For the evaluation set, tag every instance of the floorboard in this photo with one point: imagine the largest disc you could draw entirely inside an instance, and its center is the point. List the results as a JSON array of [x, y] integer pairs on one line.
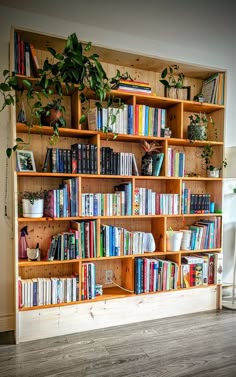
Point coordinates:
[[202, 344]]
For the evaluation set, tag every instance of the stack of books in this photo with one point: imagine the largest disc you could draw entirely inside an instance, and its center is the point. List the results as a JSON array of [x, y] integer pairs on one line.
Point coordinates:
[[213, 89], [135, 86]]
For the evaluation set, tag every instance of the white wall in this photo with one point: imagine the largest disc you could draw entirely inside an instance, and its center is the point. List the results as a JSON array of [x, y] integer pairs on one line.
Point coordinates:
[[200, 34]]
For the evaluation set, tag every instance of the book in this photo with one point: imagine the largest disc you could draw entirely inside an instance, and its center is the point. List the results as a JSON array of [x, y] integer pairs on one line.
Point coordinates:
[[47, 162], [36, 65], [157, 163]]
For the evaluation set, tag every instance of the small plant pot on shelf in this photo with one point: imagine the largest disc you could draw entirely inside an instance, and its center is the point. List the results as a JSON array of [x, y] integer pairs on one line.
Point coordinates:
[[196, 132], [174, 239], [33, 210], [214, 173]]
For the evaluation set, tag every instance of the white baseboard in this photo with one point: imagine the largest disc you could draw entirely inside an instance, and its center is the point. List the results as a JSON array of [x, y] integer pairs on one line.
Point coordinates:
[[6, 322], [45, 323]]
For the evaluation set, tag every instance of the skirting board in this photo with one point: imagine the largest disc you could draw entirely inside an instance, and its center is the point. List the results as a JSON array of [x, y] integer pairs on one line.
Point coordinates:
[[45, 323], [7, 322]]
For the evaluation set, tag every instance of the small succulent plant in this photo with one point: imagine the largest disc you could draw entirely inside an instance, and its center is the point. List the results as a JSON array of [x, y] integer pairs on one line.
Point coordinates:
[[152, 147]]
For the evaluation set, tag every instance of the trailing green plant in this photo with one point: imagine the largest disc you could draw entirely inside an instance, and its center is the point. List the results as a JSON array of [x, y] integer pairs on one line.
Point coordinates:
[[207, 156], [73, 67], [170, 78]]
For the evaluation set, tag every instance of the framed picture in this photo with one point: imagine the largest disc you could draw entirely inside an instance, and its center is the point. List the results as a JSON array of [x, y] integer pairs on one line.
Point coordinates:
[[25, 161]]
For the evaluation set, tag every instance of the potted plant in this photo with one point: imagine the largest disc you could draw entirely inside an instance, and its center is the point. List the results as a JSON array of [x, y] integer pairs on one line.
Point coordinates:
[[172, 81], [147, 160], [207, 156], [73, 67], [199, 98], [32, 204], [197, 129]]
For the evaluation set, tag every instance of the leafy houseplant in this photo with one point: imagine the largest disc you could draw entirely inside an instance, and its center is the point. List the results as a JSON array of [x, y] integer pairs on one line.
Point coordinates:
[[147, 160], [207, 156], [73, 67], [170, 80], [197, 129]]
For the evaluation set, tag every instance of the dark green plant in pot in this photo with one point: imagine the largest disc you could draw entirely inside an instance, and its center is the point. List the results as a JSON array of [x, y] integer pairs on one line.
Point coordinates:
[[197, 129]]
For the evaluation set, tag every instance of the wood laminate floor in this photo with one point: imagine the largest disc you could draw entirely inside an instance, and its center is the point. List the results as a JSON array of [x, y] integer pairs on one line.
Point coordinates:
[[202, 344]]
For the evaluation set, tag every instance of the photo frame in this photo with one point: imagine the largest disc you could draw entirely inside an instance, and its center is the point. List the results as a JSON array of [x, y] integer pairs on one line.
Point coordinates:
[[25, 161]]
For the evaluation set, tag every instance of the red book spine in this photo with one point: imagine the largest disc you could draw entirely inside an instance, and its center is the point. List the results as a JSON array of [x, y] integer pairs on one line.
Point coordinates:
[[136, 120], [144, 275], [211, 269]]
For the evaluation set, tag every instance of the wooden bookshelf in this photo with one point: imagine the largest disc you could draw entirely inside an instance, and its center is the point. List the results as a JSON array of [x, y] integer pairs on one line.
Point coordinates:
[[123, 267]]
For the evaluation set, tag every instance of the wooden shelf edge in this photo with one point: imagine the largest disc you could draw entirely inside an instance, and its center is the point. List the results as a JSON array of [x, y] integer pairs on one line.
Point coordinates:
[[73, 132]]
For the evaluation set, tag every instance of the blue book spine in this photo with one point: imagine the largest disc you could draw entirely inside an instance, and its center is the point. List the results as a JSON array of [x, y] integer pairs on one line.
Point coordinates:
[[137, 275], [130, 129], [146, 120]]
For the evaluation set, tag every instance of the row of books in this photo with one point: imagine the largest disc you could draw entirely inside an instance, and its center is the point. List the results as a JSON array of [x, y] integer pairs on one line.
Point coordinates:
[[153, 274], [62, 202], [194, 203], [81, 159], [47, 291], [141, 120], [117, 163], [213, 89], [117, 241], [147, 202], [88, 281], [135, 86], [204, 269], [203, 234], [26, 61], [118, 203], [176, 163]]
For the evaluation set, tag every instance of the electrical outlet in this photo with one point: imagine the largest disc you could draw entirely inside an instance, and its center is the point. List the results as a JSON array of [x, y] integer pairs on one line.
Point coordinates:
[[108, 276]]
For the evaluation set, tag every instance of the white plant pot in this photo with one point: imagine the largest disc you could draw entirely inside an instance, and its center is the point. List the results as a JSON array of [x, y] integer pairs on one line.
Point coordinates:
[[173, 238], [215, 173], [32, 210]]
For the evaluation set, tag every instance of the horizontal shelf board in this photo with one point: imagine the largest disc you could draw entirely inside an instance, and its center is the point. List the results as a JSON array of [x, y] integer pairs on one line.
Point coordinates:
[[72, 132], [201, 179], [103, 176], [29, 219], [196, 143], [201, 107], [34, 81], [195, 215], [25, 263], [47, 130], [200, 251]]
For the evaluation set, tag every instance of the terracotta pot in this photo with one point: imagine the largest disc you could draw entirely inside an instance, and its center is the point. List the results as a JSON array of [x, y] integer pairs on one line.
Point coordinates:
[[50, 120]]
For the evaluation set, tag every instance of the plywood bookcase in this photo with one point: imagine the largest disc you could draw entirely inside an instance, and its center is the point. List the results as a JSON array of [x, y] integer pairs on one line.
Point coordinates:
[[116, 306]]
